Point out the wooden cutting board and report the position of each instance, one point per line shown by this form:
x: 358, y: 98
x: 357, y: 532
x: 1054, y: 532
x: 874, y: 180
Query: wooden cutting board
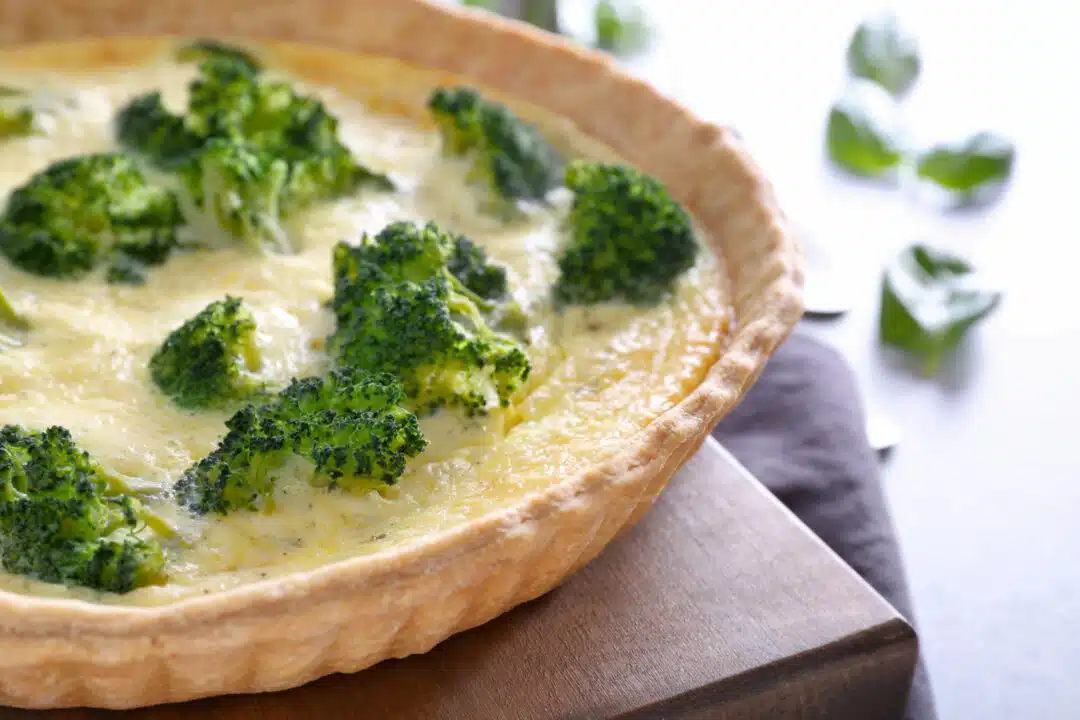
x: 719, y: 604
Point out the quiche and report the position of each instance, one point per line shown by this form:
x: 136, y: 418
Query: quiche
x: 332, y: 330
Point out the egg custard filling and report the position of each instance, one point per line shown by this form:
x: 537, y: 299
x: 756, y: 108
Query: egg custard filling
x: 294, y: 254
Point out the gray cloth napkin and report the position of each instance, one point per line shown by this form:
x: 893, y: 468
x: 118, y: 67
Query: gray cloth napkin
x: 801, y: 431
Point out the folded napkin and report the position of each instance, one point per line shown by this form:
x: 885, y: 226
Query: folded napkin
x: 801, y: 431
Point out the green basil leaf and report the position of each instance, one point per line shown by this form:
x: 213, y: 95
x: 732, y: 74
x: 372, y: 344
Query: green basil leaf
x: 863, y: 134
x: 620, y: 31
x: 544, y: 14
x: 966, y: 166
x: 930, y: 298
x: 883, y: 50
x: 484, y: 4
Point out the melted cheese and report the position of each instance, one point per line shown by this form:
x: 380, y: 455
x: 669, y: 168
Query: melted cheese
x: 600, y: 374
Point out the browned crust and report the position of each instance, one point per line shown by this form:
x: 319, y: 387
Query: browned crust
x: 344, y: 617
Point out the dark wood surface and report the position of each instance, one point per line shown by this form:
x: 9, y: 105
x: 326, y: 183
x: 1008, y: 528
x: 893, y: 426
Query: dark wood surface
x: 719, y: 604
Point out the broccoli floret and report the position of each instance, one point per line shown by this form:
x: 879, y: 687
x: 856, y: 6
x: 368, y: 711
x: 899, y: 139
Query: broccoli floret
x: 266, y: 149
x: 222, y: 96
x: 407, y: 251
x: 146, y: 126
x: 222, y: 90
x: 508, y: 155
x: 399, y: 309
x: 62, y: 520
x: 17, y: 116
x: 227, y: 101
x: 78, y: 211
x: 320, y: 166
x: 628, y: 239
x: 211, y: 359
x: 203, y: 49
x: 469, y: 264
x: 351, y: 428
x: 231, y: 193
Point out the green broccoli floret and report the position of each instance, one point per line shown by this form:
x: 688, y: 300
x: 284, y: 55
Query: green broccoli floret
x: 350, y: 428
x: 399, y: 309
x: 211, y: 359
x: 231, y: 193
x: 62, y: 519
x: 509, y: 156
x: 17, y: 116
x: 469, y: 264
x: 203, y: 49
x: 146, y: 126
x: 268, y: 149
x: 79, y: 211
x: 227, y: 101
x: 320, y: 166
x: 223, y: 95
x: 628, y: 239
x: 167, y: 139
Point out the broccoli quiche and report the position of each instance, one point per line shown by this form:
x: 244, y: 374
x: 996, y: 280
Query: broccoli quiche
x: 319, y: 344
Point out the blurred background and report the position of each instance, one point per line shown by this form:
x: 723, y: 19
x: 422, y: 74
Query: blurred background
x: 966, y: 367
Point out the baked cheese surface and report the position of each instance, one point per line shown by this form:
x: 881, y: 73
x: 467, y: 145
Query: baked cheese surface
x: 600, y: 375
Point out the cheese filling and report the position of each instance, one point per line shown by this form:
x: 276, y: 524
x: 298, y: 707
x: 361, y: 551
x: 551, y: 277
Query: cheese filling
x: 600, y: 375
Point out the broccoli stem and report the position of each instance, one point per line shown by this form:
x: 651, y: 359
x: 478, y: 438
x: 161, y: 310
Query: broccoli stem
x: 478, y: 303
x: 157, y: 524
x: 512, y: 318
x: 250, y: 353
x: 11, y: 319
x: 119, y: 484
x: 9, y: 316
x: 466, y: 307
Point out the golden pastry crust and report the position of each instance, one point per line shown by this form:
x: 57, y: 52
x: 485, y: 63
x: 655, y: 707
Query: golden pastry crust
x: 346, y: 616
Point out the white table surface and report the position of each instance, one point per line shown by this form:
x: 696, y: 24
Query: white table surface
x: 985, y: 485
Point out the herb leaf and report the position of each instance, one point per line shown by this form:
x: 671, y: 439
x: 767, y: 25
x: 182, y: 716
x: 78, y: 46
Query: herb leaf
x: 863, y: 133
x: 966, y: 166
x: 620, y: 32
x: 544, y: 14
x: 929, y: 299
x: 883, y: 50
